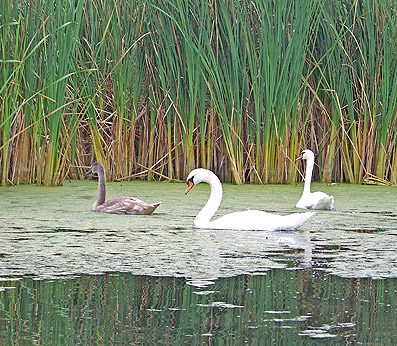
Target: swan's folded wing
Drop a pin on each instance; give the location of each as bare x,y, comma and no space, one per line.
257,220
128,205
316,200
325,202
292,221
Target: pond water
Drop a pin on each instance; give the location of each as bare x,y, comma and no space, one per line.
72,276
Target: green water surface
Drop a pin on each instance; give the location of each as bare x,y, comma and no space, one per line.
71,276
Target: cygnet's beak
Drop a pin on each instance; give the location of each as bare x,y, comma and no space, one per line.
88,172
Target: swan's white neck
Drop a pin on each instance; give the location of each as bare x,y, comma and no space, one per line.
203,218
101,187
308,176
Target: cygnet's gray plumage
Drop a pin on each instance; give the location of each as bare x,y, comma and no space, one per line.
119,205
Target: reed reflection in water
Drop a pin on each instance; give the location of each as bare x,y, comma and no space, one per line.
283,307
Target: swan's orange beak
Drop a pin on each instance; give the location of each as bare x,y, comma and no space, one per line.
300,157
189,186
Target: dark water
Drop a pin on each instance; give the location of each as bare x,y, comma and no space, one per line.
284,307
70,276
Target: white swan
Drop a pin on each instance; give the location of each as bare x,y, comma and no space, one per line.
312,200
243,220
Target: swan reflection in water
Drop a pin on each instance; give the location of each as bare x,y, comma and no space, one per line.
221,253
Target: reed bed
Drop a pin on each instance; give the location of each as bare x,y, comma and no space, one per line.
155,88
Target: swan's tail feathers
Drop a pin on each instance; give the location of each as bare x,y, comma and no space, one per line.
316,200
154,206
294,221
331,202
149,209
326,203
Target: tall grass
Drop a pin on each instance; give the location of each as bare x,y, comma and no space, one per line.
154,89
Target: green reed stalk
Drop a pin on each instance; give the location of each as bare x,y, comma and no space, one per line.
58,48
283,32
223,66
351,77
237,87
9,93
387,43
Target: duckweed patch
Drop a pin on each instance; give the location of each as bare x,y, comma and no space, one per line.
62,236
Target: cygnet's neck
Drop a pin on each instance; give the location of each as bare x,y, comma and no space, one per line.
203,218
101,187
308,176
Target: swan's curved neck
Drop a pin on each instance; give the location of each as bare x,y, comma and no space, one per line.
308,176
101,187
203,218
